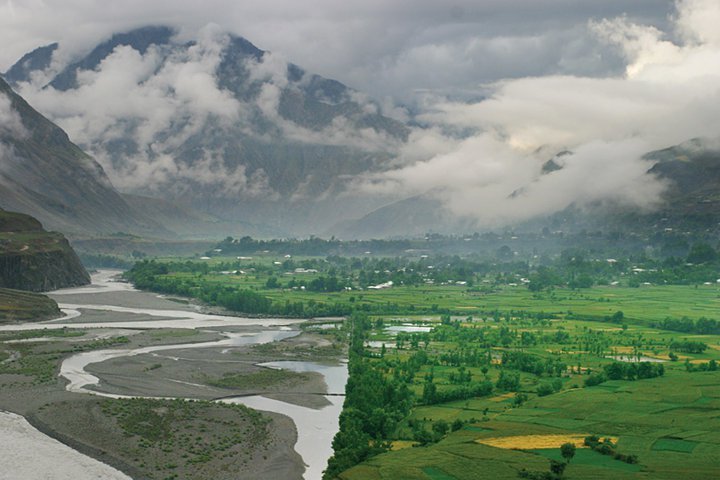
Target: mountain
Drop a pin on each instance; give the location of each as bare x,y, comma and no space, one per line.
36,61
690,203
34,259
217,125
692,170
411,217
42,173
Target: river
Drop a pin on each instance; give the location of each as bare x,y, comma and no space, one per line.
116,305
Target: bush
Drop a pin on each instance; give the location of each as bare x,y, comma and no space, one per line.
595,379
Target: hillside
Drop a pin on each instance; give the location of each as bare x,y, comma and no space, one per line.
45,175
693,172
20,306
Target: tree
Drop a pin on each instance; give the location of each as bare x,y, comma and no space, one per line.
441,427
557,468
567,450
702,253
510,382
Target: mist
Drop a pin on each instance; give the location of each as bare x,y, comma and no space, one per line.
621,86
157,101
603,127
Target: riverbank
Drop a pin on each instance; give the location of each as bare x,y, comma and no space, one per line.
168,349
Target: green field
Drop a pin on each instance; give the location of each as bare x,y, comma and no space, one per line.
498,360
639,304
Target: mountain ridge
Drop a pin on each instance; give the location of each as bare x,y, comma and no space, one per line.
278,139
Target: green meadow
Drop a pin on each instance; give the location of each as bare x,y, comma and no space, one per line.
500,364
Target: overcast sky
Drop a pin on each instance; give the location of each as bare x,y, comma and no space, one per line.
383,47
606,80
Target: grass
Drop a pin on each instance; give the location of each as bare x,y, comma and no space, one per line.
401,444
674,445
49,333
658,420
590,458
17,305
40,360
642,415
640,305
167,438
437,474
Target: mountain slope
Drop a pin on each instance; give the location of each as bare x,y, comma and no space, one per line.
219,124
42,173
692,170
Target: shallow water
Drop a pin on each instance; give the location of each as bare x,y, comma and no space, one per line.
73,368
102,281
316,428
29,454
634,359
408,329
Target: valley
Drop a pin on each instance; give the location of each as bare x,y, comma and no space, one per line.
120,345
474,354
360,240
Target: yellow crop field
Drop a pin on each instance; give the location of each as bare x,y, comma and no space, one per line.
535,442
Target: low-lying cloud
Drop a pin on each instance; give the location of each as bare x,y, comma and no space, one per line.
669,93
10,122
384,48
156,106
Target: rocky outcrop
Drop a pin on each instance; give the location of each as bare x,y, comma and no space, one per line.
43,271
35,260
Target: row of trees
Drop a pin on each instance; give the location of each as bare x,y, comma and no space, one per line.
373,406
626,371
702,326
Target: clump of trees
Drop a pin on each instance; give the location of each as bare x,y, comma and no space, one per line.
633,371
701,326
557,468
432,395
526,362
625,371
710,366
607,447
688,346
548,388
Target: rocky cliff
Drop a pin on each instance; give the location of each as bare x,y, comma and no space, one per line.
34,259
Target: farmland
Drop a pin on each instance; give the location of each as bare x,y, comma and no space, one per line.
487,377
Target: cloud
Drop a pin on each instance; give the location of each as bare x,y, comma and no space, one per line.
384,48
146,116
10,121
271,71
153,102
669,93
164,175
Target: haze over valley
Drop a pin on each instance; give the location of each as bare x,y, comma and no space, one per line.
360,240
243,141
